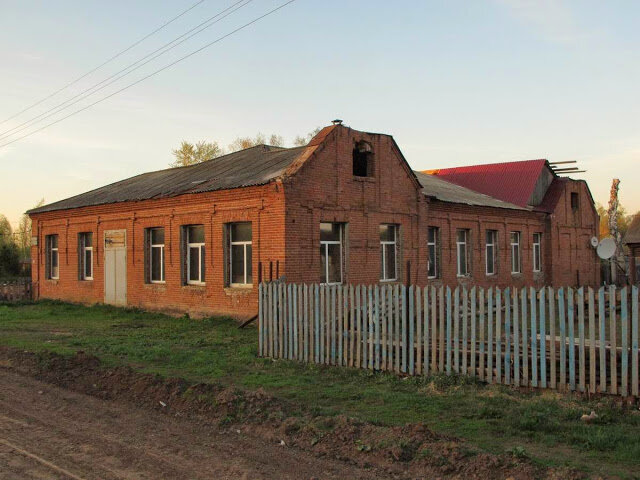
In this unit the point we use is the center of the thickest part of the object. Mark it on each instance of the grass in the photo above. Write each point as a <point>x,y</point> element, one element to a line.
<point>543,426</point>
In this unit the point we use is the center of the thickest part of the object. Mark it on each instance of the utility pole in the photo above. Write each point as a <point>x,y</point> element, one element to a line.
<point>613,226</point>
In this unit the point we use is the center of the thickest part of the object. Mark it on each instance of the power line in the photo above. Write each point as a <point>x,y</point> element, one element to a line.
<point>219,39</point>
<point>104,63</point>
<point>60,107</point>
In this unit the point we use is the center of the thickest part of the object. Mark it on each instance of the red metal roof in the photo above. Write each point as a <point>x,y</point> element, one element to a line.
<point>512,182</point>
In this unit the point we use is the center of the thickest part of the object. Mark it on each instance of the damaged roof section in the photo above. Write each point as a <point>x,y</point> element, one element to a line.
<point>444,191</point>
<point>253,166</point>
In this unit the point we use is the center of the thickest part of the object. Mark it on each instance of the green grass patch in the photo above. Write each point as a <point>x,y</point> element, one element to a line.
<point>543,426</point>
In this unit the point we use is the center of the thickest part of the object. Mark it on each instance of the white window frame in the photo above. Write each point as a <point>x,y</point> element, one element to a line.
<point>515,245</point>
<point>161,247</point>
<point>86,249</point>
<point>494,245</point>
<point>244,244</point>
<point>50,259</point>
<point>537,252</point>
<point>436,231</point>
<point>200,247</point>
<point>464,245</point>
<point>325,244</point>
<point>383,245</point>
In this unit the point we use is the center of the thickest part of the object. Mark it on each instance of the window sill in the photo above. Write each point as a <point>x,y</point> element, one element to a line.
<point>389,280</point>
<point>516,274</point>
<point>195,286</point>
<point>364,179</point>
<point>238,289</point>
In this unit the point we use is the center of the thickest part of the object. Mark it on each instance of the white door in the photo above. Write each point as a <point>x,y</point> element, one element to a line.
<point>115,267</point>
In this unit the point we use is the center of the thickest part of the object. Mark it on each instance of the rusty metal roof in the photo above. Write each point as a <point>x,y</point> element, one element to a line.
<point>253,166</point>
<point>512,182</point>
<point>440,189</point>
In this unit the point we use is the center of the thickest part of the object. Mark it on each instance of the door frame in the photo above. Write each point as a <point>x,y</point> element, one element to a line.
<point>104,260</point>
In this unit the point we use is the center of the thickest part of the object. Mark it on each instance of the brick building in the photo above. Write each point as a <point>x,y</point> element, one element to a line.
<point>347,207</point>
<point>632,243</point>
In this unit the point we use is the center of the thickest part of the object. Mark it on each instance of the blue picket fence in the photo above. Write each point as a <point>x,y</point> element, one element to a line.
<point>567,339</point>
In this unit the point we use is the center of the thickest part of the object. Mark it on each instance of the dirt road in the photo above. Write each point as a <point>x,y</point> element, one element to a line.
<point>50,433</point>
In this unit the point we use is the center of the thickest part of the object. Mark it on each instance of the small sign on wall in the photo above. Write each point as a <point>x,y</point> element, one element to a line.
<point>34,241</point>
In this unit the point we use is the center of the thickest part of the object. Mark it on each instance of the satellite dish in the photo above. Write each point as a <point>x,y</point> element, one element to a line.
<point>607,248</point>
<point>594,242</point>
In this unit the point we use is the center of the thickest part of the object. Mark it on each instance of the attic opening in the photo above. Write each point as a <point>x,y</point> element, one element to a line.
<point>575,202</point>
<point>362,159</point>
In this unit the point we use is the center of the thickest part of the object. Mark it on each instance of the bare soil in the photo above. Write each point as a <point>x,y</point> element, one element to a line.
<point>73,418</point>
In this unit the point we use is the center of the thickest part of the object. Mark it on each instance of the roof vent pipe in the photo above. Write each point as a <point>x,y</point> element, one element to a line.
<point>337,121</point>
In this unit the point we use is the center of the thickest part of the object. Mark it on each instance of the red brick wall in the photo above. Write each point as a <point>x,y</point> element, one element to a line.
<point>263,206</point>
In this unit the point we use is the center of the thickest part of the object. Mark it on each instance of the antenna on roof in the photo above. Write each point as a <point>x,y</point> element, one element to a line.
<point>565,170</point>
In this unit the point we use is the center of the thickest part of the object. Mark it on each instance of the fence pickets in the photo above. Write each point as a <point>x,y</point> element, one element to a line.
<point>565,339</point>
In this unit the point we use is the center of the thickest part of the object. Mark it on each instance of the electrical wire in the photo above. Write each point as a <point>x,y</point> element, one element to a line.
<point>167,47</point>
<point>219,39</point>
<point>104,63</point>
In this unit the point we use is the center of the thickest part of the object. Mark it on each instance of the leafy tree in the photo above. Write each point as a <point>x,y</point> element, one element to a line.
<point>6,232</point>
<point>9,260</point>
<point>300,141</point>
<point>241,143</point>
<point>190,154</point>
<point>624,220</point>
<point>23,233</point>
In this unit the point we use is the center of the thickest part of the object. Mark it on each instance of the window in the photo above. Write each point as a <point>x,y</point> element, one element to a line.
<point>537,254</point>
<point>462,246</point>
<point>388,249</point>
<point>194,235</point>
<point>362,159</point>
<point>52,266</point>
<point>240,254</point>
<point>85,256</point>
<point>432,246</point>
<point>516,266</point>
<point>491,250</point>
<point>575,201</point>
<point>155,239</point>
<point>331,235</point>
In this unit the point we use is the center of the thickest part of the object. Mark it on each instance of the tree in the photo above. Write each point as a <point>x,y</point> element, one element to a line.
<point>190,154</point>
<point>241,143</point>
<point>23,233</point>
<point>624,220</point>
<point>301,141</point>
<point>6,232</point>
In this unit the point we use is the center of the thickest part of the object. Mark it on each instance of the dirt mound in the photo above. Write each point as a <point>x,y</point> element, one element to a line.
<point>411,450</point>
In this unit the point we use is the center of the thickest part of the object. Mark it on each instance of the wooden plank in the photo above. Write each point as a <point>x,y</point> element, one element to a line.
<point>563,339</point>
<point>316,329</point>
<point>442,330</point>
<point>571,338</point>
<point>552,337</point>
<point>403,292</point>
<point>465,326</point>
<point>525,337</point>
<point>634,342</point>
<point>289,314</point>
<point>543,339</point>
<point>434,331</point>
<point>307,339</point>
<point>345,328</point>
<point>323,323</point>
<point>582,375</point>
<point>624,353</point>
<point>498,315</point>
<point>613,330</point>
<point>473,321</point>
<point>370,328</point>
<point>411,321</point>
<point>329,322</point>
<point>603,340</point>
<point>482,339</point>
<point>340,320</point>
<point>358,322</point>
<point>397,321</point>
<point>418,322</point>
<point>592,341</point>
<point>516,339</point>
<point>352,327</point>
<point>383,325</point>
<point>507,336</point>
<point>273,293</point>
<point>333,324</point>
<point>456,330</point>
<point>260,321</point>
<point>281,320</point>
<point>390,328</point>
<point>490,320</point>
<point>376,323</point>
<point>448,330</point>
<point>295,321</point>
<point>534,337</point>
<point>425,340</point>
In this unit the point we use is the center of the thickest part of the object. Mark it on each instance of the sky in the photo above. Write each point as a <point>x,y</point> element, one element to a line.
<point>455,83</point>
